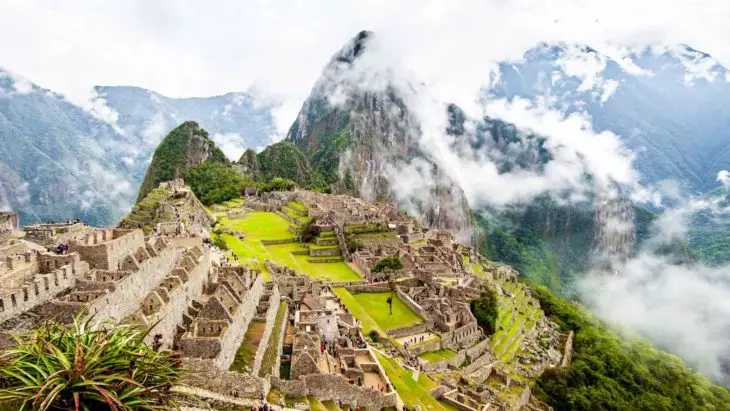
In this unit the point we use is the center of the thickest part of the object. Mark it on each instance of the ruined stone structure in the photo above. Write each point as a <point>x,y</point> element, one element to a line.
<point>173,209</point>
<point>167,305</point>
<point>9,221</point>
<point>219,325</point>
<point>29,278</point>
<point>52,234</point>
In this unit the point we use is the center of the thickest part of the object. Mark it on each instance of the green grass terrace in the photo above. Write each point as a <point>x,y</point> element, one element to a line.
<point>373,312</point>
<point>257,226</point>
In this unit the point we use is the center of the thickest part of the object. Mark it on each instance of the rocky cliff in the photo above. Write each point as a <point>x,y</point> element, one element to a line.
<point>358,139</point>
<point>183,149</point>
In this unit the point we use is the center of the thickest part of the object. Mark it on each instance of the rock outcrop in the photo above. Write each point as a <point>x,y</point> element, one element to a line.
<point>359,139</point>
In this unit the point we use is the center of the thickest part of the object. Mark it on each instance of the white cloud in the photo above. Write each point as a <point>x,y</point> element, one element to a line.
<point>682,307</point>
<point>281,46</point>
<point>723,176</point>
<point>232,144</point>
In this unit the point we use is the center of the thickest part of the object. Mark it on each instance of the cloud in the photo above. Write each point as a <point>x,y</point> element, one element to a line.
<point>281,46</point>
<point>723,176</point>
<point>232,144</point>
<point>684,308</point>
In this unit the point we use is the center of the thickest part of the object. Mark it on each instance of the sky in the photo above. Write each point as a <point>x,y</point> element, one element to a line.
<point>278,48</point>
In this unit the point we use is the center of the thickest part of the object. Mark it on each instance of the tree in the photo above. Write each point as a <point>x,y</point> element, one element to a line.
<point>80,367</point>
<point>387,266</point>
<point>485,310</point>
<point>390,303</point>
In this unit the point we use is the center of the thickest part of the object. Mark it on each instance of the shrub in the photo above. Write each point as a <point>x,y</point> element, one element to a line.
<point>220,243</point>
<point>374,336</point>
<point>486,311</point>
<point>107,367</point>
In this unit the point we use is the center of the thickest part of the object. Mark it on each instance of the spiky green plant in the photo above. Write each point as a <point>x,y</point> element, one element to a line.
<point>86,367</point>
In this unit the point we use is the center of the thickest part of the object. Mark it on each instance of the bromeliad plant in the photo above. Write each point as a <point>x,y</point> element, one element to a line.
<point>87,367</point>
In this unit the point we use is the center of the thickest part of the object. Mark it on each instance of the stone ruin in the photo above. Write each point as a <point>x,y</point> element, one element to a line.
<point>212,328</point>
<point>9,221</point>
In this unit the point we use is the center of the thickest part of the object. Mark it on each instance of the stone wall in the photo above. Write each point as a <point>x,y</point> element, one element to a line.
<point>480,362</point>
<point>363,288</point>
<point>475,351</point>
<point>409,330</point>
<point>130,291</point>
<point>453,363</point>
<point>170,316</point>
<point>327,387</point>
<point>42,288</point>
<point>282,334</point>
<point>274,300</point>
<point>233,338</point>
<point>107,248</point>
<point>206,375</point>
<point>324,252</point>
<point>284,241</point>
<point>423,347</point>
<point>412,304</point>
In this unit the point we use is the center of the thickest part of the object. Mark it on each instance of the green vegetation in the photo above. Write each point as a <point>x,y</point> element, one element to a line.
<point>87,368</point>
<point>315,404</point>
<point>412,392</point>
<point>257,226</point>
<point>438,355</point>
<point>285,160</point>
<point>272,350</point>
<point>387,265</point>
<point>358,311</point>
<point>376,305</point>
<point>172,157</point>
<point>485,310</point>
<point>547,243</point>
<point>608,372</point>
<point>246,353</point>
<point>215,182</point>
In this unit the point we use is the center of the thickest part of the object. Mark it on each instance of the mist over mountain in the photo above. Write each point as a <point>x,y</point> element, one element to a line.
<point>668,105</point>
<point>61,161</point>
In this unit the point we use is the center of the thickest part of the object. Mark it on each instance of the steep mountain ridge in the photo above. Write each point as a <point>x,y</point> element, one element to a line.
<point>183,149</point>
<point>358,139</point>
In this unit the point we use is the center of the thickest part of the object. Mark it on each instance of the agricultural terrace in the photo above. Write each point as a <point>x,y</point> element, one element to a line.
<point>438,355</point>
<point>373,312</point>
<point>258,225</point>
<point>517,315</point>
<point>411,392</point>
<point>246,353</point>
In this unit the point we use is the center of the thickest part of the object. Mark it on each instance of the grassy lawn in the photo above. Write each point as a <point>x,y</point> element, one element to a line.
<point>272,350</point>
<point>247,351</point>
<point>336,272</point>
<point>357,310</point>
<point>315,404</point>
<point>260,225</point>
<point>438,355</point>
<point>257,226</point>
<point>330,405</point>
<point>375,304</point>
<point>412,392</point>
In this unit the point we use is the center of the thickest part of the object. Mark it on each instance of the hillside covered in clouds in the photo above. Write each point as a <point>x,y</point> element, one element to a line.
<point>61,161</point>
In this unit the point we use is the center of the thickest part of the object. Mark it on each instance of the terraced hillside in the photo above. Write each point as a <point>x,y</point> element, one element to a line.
<point>166,207</point>
<point>257,236</point>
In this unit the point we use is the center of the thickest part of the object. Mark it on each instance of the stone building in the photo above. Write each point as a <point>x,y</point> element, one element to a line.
<point>29,278</point>
<point>167,305</point>
<point>219,324</point>
<point>9,221</point>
